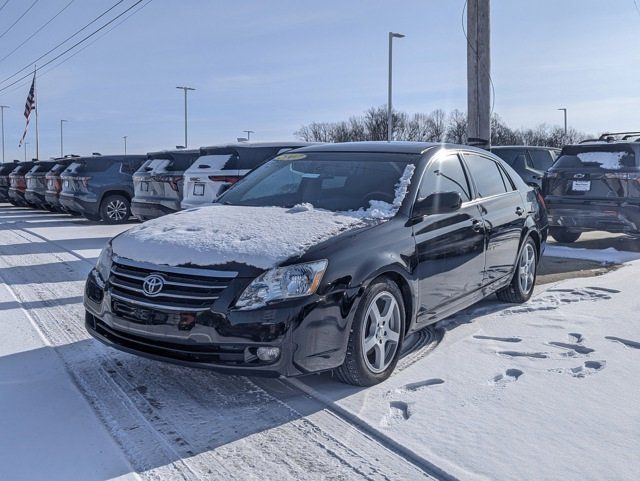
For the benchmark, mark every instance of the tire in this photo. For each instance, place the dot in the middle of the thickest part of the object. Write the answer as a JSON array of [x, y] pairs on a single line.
[[364, 367], [563, 235], [115, 209], [524, 277]]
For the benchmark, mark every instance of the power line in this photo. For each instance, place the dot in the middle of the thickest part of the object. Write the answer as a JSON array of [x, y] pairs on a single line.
[[53, 67], [74, 45], [37, 31], [19, 18], [4, 4], [63, 42]]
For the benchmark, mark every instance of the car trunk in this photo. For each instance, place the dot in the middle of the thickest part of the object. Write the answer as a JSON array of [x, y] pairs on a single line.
[[36, 178], [75, 178], [161, 177], [53, 181], [593, 172]]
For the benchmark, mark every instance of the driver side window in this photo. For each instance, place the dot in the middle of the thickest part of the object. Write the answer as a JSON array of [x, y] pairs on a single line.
[[445, 175]]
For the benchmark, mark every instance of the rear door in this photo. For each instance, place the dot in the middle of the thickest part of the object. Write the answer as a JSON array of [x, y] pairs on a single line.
[[592, 172], [503, 214]]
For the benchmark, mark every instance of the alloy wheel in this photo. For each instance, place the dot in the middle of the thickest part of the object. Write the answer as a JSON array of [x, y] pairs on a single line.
[[381, 334], [527, 268], [116, 210]]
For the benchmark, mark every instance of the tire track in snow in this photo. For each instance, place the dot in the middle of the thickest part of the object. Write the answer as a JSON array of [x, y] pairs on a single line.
[[161, 400]]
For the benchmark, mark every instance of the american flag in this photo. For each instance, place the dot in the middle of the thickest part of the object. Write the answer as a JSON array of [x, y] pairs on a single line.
[[29, 106]]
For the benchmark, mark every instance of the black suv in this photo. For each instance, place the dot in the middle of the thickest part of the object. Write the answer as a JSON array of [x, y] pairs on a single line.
[[594, 186], [100, 187], [5, 170], [36, 183], [528, 161], [322, 258]]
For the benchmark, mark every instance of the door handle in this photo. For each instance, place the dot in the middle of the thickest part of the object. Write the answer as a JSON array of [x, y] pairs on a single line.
[[477, 225], [519, 211]]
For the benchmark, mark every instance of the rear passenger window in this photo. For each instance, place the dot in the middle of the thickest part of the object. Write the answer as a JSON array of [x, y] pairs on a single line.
[[445, 175], [541, 159], [486, 175]]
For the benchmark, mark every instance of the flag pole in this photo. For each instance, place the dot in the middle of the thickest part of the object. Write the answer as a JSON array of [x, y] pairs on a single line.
[[35, 93]]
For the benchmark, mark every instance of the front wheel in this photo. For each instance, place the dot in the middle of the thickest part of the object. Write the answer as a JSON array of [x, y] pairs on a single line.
[[115, 209], [563, 235], [524, 277], [376, 336]]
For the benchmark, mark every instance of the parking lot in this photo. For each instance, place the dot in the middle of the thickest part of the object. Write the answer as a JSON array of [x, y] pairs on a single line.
[[508, 372]]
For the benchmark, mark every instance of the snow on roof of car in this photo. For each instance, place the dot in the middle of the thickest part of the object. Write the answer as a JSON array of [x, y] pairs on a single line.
[[257, 236]]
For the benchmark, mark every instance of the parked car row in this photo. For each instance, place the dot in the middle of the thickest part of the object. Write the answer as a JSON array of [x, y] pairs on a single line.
[[111, 188]]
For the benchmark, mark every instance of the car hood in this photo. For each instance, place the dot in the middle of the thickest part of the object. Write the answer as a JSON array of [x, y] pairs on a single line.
[[221, 235]]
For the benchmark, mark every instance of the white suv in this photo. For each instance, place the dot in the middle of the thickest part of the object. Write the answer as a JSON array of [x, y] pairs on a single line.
[[223, 165]]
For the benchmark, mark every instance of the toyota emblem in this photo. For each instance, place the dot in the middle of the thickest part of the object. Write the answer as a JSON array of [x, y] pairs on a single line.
[[152, 285]]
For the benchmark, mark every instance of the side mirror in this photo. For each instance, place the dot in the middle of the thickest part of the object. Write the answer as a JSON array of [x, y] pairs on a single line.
[[438, 203]]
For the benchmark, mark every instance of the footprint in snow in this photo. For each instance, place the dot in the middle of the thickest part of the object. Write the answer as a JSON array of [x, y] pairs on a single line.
[[554, 298], [625, 342], [509, 376], [576, 337], [398, 412], [419, 386], [587, 368], [572, 349], [532, 355], [499, 339]]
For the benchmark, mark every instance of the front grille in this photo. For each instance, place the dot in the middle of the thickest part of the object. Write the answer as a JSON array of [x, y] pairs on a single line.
[[185, 289]]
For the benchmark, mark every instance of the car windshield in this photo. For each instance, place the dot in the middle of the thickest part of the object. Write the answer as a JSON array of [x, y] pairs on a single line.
[[331, 181]]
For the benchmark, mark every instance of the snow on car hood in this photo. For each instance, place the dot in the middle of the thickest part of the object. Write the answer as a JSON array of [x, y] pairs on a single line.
[[261, 237]]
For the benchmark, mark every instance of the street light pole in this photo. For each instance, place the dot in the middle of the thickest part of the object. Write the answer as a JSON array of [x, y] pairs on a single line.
[[186, 89], [249, 132], [25, 150], [2, 107], [565, 119], [392, 35], [124, 137], [62, 121]]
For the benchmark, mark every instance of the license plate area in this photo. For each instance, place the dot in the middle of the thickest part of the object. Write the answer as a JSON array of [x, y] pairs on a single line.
[[140, 315], [198, 189], [144, 186], [581, 185]]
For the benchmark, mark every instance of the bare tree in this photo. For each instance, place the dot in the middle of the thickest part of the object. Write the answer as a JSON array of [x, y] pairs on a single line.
[[457, 127]]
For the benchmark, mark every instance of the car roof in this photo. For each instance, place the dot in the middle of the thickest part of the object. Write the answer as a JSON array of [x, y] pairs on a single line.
[[249, 145], [395, 147], [530, 147], [184, 152], [107, 158]]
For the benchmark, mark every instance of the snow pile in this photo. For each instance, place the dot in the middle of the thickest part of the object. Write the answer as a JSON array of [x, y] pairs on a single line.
[[608, 255], [607, 160], [257, 236]]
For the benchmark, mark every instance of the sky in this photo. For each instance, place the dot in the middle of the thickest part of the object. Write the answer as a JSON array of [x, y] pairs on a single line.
[[271, 66]]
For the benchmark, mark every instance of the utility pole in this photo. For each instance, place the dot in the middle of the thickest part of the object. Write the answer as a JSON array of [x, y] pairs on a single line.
[[564, 109], [478, 73], [249, 132], [2, 107], [62, 121], [125, 144], [392, 35], [186, 89]]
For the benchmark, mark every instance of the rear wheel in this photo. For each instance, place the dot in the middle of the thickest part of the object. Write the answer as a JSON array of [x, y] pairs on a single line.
[[115, 209], [524, 277], [563, 235], [376, 336]]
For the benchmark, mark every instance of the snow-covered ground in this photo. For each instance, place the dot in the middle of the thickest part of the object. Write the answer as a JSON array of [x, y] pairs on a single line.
[[544, 391]]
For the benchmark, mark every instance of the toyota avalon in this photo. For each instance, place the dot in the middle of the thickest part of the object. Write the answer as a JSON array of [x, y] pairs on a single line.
[[321, 259]]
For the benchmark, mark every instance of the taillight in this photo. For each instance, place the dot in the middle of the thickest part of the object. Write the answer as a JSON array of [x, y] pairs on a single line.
[[617, 175], [541, 199], [172, 180], [228, 179]]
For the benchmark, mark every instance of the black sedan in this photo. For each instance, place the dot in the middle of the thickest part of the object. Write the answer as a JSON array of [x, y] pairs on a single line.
[[324, 258]]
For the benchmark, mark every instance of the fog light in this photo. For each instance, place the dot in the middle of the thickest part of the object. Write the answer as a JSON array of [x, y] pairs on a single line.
[[268, 354]]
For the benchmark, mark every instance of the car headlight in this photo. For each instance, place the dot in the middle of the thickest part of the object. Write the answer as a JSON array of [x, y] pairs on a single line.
[[103, 266], [298, 280]]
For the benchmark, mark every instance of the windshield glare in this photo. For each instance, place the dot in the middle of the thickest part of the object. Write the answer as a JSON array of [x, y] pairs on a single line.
[[323, 180]]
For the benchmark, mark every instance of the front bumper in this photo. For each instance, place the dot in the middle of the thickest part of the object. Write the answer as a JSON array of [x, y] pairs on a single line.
[[150, 210], [592, 215], [312, 333]]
